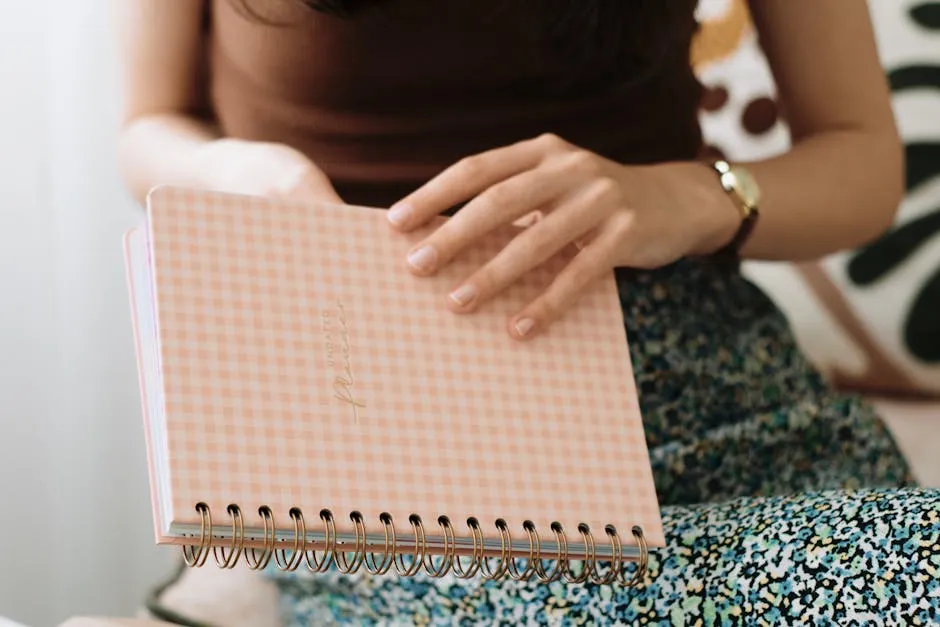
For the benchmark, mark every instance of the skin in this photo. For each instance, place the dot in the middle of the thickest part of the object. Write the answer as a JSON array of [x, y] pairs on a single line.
[[838, 187], [164, 142]]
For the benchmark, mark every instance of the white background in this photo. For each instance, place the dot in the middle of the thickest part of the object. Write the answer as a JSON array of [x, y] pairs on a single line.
[[75, 530]]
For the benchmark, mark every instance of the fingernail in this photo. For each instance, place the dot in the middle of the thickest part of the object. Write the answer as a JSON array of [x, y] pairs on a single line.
[[464, 295], [524, 325], [423, 259], [400, 213]]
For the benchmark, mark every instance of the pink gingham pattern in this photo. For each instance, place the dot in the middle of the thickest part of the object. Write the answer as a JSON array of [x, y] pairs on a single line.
[[262, 305]]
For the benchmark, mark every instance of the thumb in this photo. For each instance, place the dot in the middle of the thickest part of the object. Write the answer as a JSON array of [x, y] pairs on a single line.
[[316, 187], [305, 182]]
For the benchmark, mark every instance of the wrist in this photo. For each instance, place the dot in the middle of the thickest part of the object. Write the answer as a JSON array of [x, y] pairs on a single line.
[[714, 216]]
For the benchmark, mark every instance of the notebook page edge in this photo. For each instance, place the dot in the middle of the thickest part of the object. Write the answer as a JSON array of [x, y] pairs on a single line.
[[133, 259], [159, 427]]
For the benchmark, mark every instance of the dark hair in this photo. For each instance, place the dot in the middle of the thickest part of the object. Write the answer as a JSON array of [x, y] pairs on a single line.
[[618, 40], [621, 41]]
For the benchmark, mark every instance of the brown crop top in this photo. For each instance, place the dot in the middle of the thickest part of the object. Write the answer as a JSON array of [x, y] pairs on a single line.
[[386, 99]]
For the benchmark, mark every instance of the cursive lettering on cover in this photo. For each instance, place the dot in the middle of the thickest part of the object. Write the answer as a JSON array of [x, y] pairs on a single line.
[[344, 381]]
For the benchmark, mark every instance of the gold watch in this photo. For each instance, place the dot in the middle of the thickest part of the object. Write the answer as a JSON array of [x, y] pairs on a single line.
[[740, 185]]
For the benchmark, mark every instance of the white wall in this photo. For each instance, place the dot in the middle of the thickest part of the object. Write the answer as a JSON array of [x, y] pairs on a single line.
[[75, 527]]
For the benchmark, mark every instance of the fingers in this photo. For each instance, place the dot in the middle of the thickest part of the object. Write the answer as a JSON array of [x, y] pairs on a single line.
[[534, 246], [464, 180], [590, 264], [555, 192], [518, 197]]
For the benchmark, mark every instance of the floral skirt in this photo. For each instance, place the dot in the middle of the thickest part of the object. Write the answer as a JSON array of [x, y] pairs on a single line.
[[783, 501]]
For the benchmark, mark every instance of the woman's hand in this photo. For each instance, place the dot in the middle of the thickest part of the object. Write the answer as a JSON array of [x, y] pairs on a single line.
[[260, 169], [619, 216]]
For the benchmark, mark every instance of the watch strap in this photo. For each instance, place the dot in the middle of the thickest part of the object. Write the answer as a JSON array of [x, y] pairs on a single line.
[[732, 250]]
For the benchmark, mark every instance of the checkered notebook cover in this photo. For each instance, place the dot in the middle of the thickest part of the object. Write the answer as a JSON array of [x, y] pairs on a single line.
[[291, 361]]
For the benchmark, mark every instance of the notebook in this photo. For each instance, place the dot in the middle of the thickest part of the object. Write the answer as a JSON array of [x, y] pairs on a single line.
[[306, 397]]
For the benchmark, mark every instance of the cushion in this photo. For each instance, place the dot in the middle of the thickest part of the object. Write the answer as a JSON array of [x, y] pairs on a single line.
[[867, 317], [213, 597]]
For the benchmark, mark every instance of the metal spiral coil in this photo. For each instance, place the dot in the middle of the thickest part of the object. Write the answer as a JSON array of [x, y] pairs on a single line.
[[416, 558]]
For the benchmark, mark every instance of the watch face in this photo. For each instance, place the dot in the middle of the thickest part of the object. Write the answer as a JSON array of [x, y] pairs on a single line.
[[747, 187]]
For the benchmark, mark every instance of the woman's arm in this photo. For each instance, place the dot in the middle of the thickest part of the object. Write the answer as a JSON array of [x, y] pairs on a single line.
[[841, 183], [164, 141], [161, 50], [838, 187]]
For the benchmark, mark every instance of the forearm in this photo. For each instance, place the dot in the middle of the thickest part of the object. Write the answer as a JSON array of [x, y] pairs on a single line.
[[832, 191], [840, 185], [160, 149]]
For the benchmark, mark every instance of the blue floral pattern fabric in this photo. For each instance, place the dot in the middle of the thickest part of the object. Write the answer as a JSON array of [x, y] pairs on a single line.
[[831, 558], [784, 502]]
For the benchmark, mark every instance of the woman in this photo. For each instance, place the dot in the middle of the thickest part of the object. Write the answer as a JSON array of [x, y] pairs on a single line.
[[581, 116]]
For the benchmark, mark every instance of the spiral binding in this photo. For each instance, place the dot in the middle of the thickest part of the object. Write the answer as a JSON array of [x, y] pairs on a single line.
[[415, 559]]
